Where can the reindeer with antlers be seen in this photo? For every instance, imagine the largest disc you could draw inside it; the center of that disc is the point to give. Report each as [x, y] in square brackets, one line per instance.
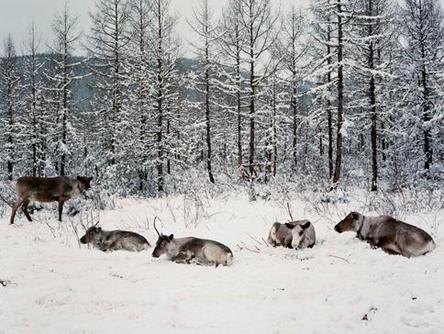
[192, 250]
[297, 234]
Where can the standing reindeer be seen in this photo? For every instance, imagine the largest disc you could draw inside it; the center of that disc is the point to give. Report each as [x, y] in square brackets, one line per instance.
[48, 189]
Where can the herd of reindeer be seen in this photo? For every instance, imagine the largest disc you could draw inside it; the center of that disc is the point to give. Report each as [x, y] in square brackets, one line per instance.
[389, 234]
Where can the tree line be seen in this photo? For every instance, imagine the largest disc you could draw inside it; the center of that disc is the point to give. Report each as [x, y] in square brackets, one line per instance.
[346, 88]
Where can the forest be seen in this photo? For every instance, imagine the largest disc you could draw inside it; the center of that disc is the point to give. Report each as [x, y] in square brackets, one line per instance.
[346, 92]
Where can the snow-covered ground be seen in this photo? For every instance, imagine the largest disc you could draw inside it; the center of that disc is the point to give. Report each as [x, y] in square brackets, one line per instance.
[339, 286]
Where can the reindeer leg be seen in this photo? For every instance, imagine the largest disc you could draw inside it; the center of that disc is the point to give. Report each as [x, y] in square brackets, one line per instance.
[182, 257]
[25, 210]
[60, 209]
[15, 208]
[389, 246]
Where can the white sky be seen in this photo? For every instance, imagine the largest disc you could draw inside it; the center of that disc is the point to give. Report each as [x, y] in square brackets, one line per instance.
[17, 15]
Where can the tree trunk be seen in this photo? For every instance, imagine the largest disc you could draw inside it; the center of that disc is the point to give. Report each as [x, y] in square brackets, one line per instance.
[372, 99]
[428, 151]
[340, 92]
[238, 98]
[207, 107]
[252, 98]
[329, 111]
[160, 176]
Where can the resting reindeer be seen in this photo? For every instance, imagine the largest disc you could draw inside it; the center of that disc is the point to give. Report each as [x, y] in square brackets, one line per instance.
[193, 250]
[114, 240]
[48, 189]
[296, 234]
[392, 235]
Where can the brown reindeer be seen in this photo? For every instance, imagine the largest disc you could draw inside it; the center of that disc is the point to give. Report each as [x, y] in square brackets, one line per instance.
[48, 189]
[388, 233]
[192, 250]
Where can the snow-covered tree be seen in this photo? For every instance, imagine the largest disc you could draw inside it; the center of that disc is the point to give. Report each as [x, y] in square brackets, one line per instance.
[9, 106]
[205, 50]
[33, 92]
[232, 41]
[164, 49]
[421, 68]
[293, 49]
[65, 27]
[372, 34]
[331, 30]
[260, 26]
[107, 45]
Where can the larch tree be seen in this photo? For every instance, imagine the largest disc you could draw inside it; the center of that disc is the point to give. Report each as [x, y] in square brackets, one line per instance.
[9, 105]
[205, 50]
[232, 42]
[139, 94]
[260, 28]
[331, 30]
[293, 50]
[33, 91]
[323, 53]
[164, 49]
[65, 28]
[423, 33]
[107, 45]
[371, 35]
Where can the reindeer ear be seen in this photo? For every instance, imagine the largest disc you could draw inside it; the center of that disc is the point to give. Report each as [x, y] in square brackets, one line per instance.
[171, 236]
[290, 226]
[306, 225]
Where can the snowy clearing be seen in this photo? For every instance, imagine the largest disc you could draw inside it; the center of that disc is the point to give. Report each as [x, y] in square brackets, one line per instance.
[339, 286]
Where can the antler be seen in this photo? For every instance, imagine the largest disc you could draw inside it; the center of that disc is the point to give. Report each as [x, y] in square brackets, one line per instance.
[289, 211]
[154, 224]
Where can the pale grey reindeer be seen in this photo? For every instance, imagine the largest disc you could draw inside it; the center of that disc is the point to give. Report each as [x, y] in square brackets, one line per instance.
[388, 233]
[47, 189]
[114, 240]
[296, 234]
[192, 250]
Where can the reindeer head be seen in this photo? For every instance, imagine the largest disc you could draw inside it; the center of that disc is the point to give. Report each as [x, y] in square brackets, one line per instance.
[163, 243]
[298, 231]
[84, 183]
[349, 223]
[92, 235]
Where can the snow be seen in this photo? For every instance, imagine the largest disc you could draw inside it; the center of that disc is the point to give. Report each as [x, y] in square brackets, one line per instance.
[55, 286]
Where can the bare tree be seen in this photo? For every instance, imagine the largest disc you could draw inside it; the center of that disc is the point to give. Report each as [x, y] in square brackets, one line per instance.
[165, 53]
[324, 52]
[421, 22]
[232, 43]
[293, 50]
[139, 76]
[259, 25]
[66, 35]
[371, 36]
[205, 49]
[33, 92]
[9, 102]
[107, 43]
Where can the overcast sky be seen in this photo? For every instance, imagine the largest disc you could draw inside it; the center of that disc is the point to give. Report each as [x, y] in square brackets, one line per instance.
[17, 15]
